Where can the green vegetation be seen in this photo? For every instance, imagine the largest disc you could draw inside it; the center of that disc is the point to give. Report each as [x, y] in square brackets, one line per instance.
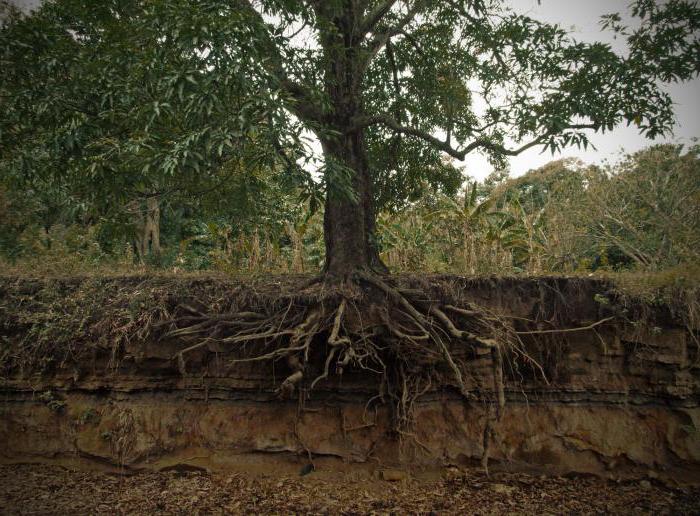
[565, 218]
[172, 134]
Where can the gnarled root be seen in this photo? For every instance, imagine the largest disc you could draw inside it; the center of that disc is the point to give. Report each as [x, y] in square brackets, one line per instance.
[413, 342]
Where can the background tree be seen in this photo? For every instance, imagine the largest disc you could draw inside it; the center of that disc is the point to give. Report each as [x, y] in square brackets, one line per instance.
[643, 211]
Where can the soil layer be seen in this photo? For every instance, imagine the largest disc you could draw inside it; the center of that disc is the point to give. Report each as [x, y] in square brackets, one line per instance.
[595, 383]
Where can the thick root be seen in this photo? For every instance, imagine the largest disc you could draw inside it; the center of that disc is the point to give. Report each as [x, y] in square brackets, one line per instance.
[397, 333]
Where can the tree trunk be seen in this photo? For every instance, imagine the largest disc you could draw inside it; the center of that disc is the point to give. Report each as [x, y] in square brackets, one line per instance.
[349, 223]
[349, 220]
[147, 222]
[152, 230]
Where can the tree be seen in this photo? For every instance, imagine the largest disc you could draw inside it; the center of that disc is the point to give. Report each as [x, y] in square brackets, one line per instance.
[388, 87]
[644, 211]
[414, 57]
[549, 202]
[106, 103]
[382, 84]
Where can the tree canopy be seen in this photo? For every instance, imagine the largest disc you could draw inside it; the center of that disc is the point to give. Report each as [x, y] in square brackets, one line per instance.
[129, 98]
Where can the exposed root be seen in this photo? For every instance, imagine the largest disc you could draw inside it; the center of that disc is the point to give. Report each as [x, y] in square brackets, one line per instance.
[567, 330]
[409, 334]
[446, 353]
[403, 335]
[334, 340]
[497, 367]
[486, 443]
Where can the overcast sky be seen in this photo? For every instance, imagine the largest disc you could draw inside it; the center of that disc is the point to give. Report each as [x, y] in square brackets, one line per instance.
[582, 19]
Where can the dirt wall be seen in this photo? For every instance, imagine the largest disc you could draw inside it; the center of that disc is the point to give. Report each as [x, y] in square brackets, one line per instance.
[616, 399]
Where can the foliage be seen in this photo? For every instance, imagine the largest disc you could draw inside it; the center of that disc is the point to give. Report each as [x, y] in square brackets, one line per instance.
[121, 98]
[127, 100]
[638, 215]
[205, 107]
[645, 209]
[105, 106]
[564, 217]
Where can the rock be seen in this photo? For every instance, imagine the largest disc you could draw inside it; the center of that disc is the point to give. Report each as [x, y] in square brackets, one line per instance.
[394, 475]
[308, 468]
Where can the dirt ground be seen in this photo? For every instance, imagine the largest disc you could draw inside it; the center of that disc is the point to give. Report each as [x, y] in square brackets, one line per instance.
[41, 489]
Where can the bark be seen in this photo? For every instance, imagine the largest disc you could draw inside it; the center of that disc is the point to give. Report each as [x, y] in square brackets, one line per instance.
[152, 229]
[349, 224]
[147, 222]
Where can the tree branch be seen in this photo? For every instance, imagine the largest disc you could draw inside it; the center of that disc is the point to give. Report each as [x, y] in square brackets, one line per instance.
[381, 38]
[395, 80]
[303, 105]
[447, 148]
[374, 17]
[412, 41]
[398, 111]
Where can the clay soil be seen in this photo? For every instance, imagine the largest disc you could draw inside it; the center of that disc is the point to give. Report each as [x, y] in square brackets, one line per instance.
[41, 489]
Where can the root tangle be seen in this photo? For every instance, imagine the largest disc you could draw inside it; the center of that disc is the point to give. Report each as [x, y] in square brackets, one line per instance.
[413, 340]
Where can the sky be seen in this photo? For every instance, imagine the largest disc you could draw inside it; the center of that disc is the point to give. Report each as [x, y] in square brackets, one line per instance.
[581, 18]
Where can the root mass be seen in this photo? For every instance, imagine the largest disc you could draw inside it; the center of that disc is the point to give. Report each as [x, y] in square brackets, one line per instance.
[414, 339]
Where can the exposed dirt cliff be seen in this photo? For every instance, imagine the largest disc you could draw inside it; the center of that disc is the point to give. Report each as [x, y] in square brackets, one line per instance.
[601, 383]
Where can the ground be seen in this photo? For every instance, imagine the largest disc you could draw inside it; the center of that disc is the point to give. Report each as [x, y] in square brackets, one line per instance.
[34, 489]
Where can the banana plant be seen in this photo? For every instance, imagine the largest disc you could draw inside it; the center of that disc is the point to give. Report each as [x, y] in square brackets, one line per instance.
[470, 218]
[470, 213]
[406, 240]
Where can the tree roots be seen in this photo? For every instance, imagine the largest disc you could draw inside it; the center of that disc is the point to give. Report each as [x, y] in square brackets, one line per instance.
[413, 340]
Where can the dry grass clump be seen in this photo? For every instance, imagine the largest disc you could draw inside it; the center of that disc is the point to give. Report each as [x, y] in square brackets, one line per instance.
[52, 323]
